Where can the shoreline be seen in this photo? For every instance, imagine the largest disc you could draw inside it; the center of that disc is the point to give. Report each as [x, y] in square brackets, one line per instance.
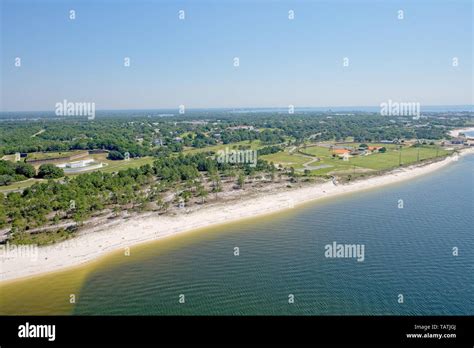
[99, 241]
[455, 132]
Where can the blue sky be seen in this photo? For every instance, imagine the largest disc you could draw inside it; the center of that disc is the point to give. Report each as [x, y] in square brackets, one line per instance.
[190, 62]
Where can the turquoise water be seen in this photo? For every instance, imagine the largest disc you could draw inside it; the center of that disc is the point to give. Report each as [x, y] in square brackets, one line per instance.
[408, 251]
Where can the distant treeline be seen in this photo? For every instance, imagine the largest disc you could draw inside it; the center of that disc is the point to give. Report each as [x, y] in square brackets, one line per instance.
[141, 136]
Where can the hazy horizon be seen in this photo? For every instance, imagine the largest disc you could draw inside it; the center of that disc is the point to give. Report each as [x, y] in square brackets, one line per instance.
[356, 108]
[424, 57]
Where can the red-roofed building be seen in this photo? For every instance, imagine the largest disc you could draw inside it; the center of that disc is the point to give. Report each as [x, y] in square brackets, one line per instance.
[341, 151]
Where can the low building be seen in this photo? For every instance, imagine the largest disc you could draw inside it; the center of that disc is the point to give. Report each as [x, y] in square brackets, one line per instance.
[340, 151]
[251, 128]
[357, 152]
[80, 166]
[457, 141]
[77, 164]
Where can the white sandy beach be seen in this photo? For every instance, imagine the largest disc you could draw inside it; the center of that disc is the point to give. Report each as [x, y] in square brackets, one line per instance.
[98, 241]
[455, 132]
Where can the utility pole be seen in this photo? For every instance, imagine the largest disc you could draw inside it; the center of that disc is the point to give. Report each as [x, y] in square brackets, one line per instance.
[399, 156]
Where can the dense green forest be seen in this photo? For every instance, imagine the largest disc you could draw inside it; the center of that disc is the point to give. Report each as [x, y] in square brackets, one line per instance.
[140, 136]
[17, 171]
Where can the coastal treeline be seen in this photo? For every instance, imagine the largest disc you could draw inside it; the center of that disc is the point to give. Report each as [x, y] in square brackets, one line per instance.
[150, 187]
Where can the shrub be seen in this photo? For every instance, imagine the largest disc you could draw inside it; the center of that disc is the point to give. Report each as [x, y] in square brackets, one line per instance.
[115, 156]
[50, 171]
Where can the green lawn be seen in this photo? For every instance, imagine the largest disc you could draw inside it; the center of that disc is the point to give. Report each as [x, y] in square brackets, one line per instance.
[48, 155]
[115, 166]
[296, 160]
[286, 159]
[390, 159]
[376, 161]
[318, 151]
[325, 155]
[20, 185]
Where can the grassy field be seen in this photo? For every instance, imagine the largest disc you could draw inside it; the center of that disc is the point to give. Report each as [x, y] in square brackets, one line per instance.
[372, 162]
[287, 159]
[390, 159]
[318, 151]
[115, 166]
[19, 185]
[48, 155]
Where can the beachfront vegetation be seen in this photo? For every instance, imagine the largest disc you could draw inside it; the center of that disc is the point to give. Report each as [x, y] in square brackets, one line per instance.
[173, 160]
[41, 238]
[142, 188]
